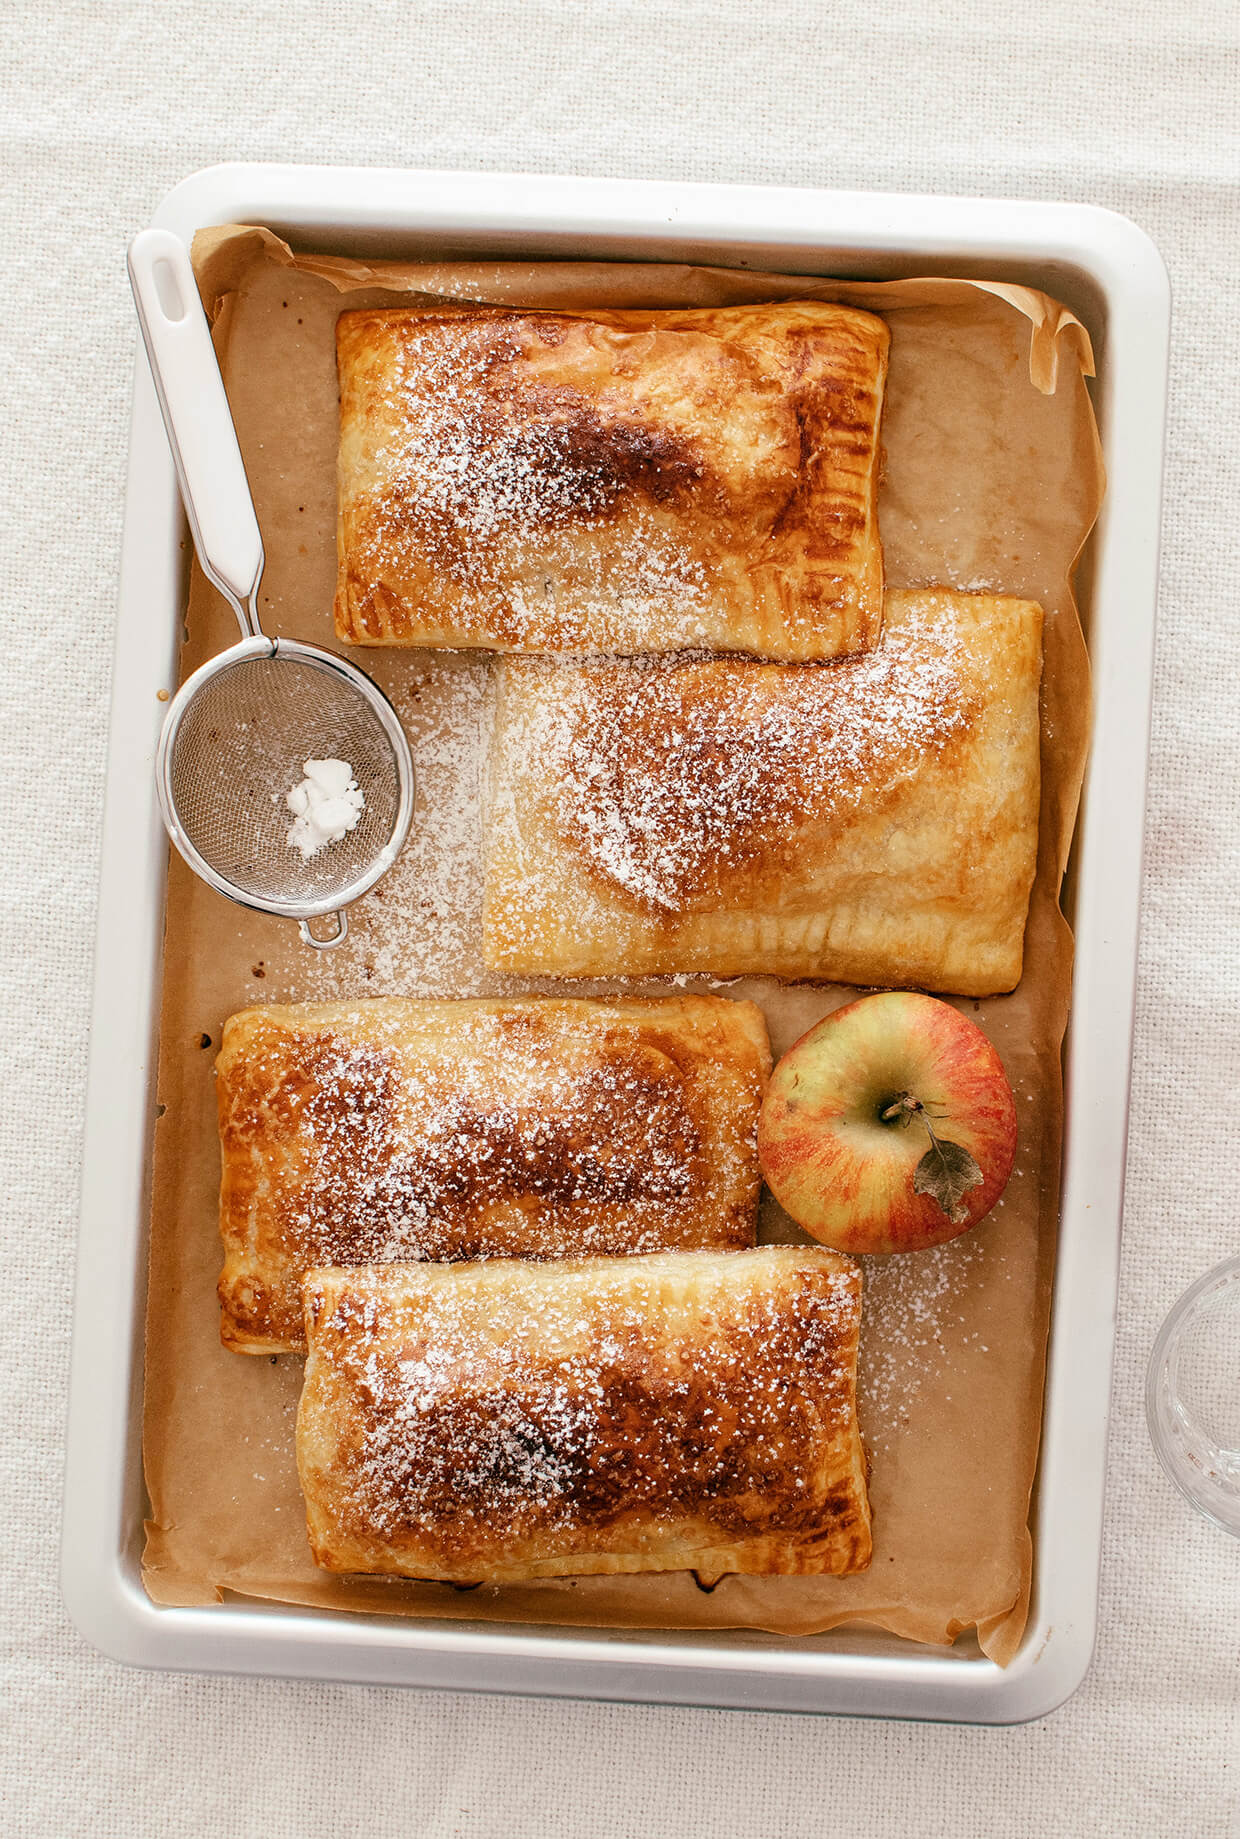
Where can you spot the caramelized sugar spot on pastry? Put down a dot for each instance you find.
(689, 1410)
(611, 481)
(391, 1130)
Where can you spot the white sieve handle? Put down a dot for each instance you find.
(198, 420)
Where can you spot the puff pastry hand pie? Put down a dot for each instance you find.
(873, 820)
(495, 1422)
(529, 1128)
(611, 481)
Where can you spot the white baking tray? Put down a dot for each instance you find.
(1108, 271)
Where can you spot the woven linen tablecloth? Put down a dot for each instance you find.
(106, 106)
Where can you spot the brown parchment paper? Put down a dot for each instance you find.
(992, 481)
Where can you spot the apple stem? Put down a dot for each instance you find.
(902, 1109)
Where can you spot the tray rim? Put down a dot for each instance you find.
(1108, 270)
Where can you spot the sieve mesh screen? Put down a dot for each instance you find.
(241, 746)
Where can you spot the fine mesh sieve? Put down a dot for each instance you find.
(240, 730)
(234, 743)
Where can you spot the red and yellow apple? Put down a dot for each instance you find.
(889, 1127)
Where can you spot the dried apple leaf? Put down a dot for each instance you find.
(946, 1173)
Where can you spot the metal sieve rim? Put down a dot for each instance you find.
(313, 656)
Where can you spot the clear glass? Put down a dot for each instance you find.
(1192, 1395)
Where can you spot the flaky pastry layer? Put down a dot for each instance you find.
(373, 1132)
(611, 481)
(872, 820)
(489, 1423)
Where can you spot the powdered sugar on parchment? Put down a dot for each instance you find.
(418, 932)
(914, 1313)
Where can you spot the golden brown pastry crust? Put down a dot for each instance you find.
(611, 481)
(872, 820)
(495, 1422)
(376, 1131)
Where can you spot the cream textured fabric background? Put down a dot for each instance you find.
(105, 105)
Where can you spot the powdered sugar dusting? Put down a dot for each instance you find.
(671, 776)
(914, 1311)
(547, 520)
(419, 931)
(394, 1156)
